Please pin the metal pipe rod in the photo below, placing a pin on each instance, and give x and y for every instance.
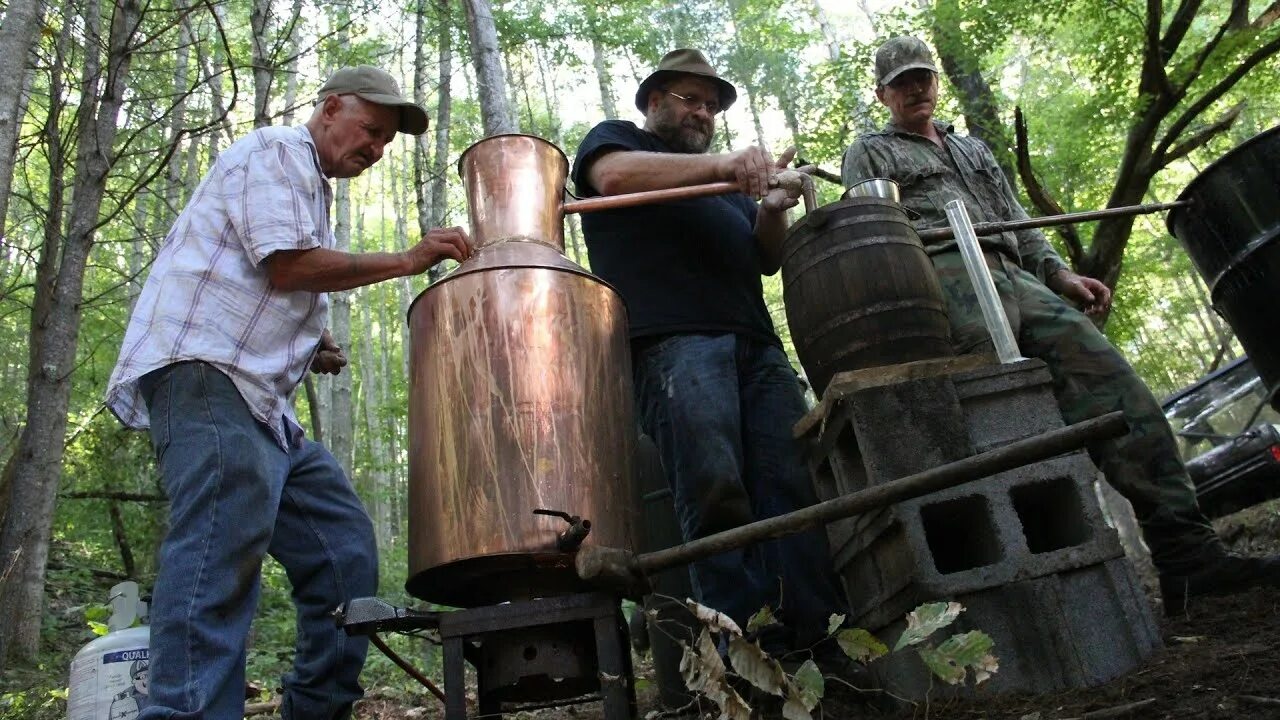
(995, 228)
(405, 666)
(991, 462)
(648, 197)
(610, 202)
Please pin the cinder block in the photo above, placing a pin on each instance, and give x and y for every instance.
(1027, 551)
(1072, 629)
(1003, 403)
(1037, 520)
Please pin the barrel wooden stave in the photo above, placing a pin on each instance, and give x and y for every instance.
(860, 291)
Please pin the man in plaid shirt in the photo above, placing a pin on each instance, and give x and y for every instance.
(230, 319)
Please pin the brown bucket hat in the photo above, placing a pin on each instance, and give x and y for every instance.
(685, 61)
(377, 86)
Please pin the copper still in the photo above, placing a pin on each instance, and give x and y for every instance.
(519, 396)
(521, 430)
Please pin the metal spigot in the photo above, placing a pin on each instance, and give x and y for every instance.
(571, 539)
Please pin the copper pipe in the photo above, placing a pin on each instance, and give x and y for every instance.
(610, 202)
(994, 228)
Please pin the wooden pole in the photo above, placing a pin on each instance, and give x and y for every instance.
(991, 462)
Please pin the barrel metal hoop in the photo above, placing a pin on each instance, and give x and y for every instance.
(852, 244)
(1240, 257)
(857, 347)
(875, 309)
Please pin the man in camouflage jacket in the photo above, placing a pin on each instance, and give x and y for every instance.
(933, 166)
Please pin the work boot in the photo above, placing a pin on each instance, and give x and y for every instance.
(1217, 573)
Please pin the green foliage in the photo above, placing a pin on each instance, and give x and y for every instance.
(952, 658)
(704, 670)
(926, 620)
(861, 645)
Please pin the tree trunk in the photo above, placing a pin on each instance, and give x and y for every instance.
(444, 108)
(828, 33)
(600, 61)
(259, 17)
(177, 120)
(291, 67)
(17, 34)
(421, 143)
(341, 424)
(375, 485)
(139, 250)
(404, 288)
(24, 541)
(981, 111)
(755, 116)
(495, 110)
(214, 82)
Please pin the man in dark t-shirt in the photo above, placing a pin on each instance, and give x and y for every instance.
(714, 388)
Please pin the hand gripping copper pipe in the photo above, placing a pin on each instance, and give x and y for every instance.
(611, 202)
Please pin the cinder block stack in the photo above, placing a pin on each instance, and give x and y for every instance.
(1027, 552)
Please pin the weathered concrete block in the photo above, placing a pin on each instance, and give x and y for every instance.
(1027, 551)
(1037, 520)
(1077, 628)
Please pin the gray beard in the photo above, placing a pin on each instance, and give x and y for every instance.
(684, 141)
(678, 138)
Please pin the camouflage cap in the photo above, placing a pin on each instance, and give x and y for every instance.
(377, 86)
(899, 55)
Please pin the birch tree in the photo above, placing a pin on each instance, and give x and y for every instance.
(17, 33)
(491, 86)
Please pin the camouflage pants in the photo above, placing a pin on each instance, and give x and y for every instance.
(1090, 378)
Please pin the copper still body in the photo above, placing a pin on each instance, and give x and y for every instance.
(519, 397)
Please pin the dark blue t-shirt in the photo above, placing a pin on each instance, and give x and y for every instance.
(682, 267)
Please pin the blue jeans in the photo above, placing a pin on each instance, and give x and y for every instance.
(720, 409)
(234, 497)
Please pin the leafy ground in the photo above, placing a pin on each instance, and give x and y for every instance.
(1221, 661)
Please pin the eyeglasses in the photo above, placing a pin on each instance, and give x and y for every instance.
(692, 104)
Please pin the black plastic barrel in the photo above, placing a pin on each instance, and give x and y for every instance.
(1230, 232)
(860, 290)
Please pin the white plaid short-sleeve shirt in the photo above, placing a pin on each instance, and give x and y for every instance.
(208, 297)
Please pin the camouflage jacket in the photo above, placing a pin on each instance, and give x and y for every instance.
(929, 180)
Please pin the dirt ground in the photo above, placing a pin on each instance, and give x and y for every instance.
(1221, 661)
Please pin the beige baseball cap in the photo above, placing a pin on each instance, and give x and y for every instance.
(377, 86)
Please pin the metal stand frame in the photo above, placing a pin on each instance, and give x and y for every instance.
(463, 631)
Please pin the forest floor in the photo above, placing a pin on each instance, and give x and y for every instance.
(1221, 661)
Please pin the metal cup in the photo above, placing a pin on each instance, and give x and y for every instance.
(874, 187)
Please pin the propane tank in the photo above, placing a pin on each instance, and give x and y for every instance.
(109, 675)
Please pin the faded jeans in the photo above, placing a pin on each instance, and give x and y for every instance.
(235, 496)
(720, 409)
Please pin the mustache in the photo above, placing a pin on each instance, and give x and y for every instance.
(695, 124)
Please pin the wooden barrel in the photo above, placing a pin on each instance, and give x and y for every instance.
(860, 291)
